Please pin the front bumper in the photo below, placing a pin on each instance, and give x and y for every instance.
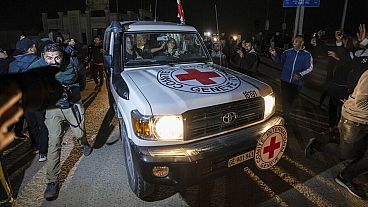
(191, 163)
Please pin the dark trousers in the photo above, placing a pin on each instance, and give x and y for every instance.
(38, 130)
(334, 111)
(97, 73)
(5, 188)
(289, 93)
(352, 146)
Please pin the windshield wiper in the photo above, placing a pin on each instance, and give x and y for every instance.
(142, 61)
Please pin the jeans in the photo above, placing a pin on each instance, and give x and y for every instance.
(38, 130)
(352, 146)
(354, 137)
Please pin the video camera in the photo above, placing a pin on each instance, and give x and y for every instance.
(39, 87)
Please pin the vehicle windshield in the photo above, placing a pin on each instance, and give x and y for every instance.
(143, 49)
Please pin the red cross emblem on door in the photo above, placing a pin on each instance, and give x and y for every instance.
(271, 148)
(202, 77)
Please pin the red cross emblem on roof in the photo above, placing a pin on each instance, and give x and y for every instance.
(202, 77)
(271, 148)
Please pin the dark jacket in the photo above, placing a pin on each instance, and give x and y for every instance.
(359, 65)
(338, 72)
(22, 62)
(294, 62)
(68, 49)
(4, 65)
(94, 53)
(66, 76)
(250, 61)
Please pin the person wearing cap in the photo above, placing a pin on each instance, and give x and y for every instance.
(27, 55)
(35, 119)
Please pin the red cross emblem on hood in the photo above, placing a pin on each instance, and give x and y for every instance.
(202, 77)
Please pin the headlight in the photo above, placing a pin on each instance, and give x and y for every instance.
(269, 102)
(163, 128)
(168, 128)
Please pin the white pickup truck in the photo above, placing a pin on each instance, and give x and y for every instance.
(182, 118)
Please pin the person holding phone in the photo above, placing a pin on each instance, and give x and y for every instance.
(297, 64)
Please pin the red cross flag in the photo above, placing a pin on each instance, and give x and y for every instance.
(180, 12)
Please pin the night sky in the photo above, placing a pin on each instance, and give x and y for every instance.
(235, 16)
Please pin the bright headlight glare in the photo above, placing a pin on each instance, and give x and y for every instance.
(168, 128)
(269, 105)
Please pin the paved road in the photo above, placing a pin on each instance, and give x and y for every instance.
(101, 179)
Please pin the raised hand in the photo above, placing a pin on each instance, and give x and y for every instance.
(362, 32)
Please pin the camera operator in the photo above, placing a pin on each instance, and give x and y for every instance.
(70, 109)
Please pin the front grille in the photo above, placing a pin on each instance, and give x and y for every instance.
(208, 121)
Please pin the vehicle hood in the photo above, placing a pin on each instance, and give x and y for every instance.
(174, 90)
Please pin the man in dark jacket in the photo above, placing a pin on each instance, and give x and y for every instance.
(70, 109)
(28, 55)
(35, 119)
(95, 55)
(297, 63)
(249, 60)
(339, 68)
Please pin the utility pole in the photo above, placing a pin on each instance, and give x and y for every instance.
(296, 23)
(117, 6)
(267, 22)
(299, 18)
(344, 15)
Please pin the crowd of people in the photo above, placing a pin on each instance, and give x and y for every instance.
(45, 127)
(346, 86)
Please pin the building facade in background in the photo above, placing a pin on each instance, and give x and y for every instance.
(84, 25)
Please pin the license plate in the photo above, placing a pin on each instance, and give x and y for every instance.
(240, 158)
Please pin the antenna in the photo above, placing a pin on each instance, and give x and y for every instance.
(155, 11)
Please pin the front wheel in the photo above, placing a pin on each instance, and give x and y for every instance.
(141, 188)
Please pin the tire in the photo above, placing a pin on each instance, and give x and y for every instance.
(141, 188)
